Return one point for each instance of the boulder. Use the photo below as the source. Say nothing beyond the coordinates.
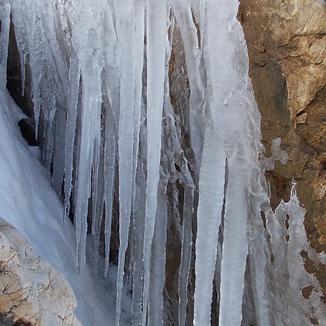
(32, 291)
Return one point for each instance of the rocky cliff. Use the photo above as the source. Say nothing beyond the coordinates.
(286, 43)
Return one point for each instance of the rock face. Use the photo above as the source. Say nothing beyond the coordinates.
(32, 291)
(286, 43)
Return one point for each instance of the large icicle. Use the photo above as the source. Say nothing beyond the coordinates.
(90, 133)
(156, 47)
(109, 176)
(4, 39)
(158, 257)
(98, 198)
(185, 254)
(72, 105)
(226, 82)
(138, 70)
(125, 27)
(111, 98)
(138, 242)
(211, 194)
(235, 242)
(139, 183)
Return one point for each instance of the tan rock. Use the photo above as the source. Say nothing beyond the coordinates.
(286, 44)
(32, 291)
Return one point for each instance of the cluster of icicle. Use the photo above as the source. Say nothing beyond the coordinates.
(148, 104)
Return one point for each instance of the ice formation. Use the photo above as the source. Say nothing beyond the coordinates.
(147, 120)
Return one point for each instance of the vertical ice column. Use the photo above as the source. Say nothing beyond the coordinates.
(138, 242)
(90, 121)
(156, 36)
(185, 253)
(98, 197)
(222, 41)
(72, 105)
(125, 30)
(158, 257)
(258, 250)
(84, 163)
(139, 182)
(138, 55)
(211, 194)
(109, 175)
(111, 95)
(4, 41)
(71, 123)
(235, 242)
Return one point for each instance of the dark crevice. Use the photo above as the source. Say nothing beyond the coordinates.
(14, 76)
(28, 132)
(22, 97)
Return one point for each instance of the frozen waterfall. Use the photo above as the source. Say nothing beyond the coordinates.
(149, 128)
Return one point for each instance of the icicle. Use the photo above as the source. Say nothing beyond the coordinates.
(86, 62)
(58, 152)
(90, 133)
(234, 251)
(98, 206)
(219, 46)
(125, 27)
(72, 106)
(74, 78)
(111, 90)
(84, 164)
(138, 242)
(157, 276)
(156, 45)
(138, 70)
(4, 41)
(185, 254)
(139, 183)
(211, 194)
(109, 175)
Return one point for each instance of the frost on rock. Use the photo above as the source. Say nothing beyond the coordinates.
(150, 131)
